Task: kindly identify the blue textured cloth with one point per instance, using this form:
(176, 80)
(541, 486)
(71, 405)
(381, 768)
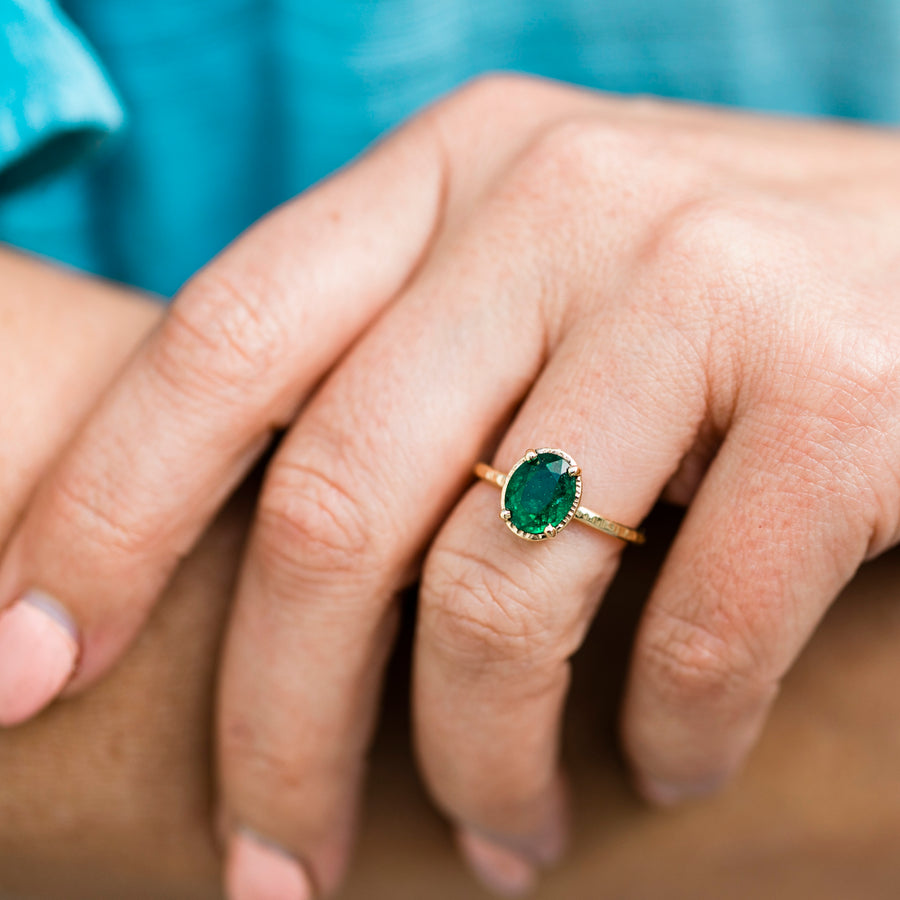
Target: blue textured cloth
(234, 105)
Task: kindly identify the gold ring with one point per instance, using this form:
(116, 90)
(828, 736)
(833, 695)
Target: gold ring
(541, 494)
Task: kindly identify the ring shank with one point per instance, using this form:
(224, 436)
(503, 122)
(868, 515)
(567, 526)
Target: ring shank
(582, 514)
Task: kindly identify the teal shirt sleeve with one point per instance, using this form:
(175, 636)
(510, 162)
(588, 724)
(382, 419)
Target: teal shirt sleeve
(56, 102)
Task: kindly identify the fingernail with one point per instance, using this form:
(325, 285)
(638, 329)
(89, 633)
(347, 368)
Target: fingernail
(500, 869)
(549, 844)
(670, 793)
(38, 653)
(259, 870)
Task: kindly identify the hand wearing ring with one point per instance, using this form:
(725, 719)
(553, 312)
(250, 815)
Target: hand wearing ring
(699, 305)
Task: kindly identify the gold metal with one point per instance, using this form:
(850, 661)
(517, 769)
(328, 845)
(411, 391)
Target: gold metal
(581, 513)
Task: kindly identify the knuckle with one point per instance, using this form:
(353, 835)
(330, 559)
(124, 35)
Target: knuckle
(741, 249)
(863, 365)
(476, 610)
(836, 441)
(223, 331)
(719, 268)
(702, 231)
(488, 91)
(550, 198)
(580, 172)
(310, 526)
(864, 414)
(578, 152)
(692, 664)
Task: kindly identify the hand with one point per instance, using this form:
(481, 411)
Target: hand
(690, 302)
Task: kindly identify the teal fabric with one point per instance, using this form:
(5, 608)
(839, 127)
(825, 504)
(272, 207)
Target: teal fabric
(55, 102)
(235, 105)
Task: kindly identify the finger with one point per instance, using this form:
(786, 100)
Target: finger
(774, 533)
(238, 351)
(500, 616)
(357, 488)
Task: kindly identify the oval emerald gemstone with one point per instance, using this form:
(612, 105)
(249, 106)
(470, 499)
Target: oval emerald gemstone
(540, 492)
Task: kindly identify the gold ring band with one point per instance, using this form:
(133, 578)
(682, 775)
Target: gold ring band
(576, 511)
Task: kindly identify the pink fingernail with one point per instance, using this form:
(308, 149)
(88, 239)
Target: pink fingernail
(500, 869)
(258, 870)
(668, 793)
(38, 653)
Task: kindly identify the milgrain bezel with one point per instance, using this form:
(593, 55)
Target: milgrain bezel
(550, 531)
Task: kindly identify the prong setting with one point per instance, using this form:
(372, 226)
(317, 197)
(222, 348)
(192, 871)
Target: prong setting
(553, 524)
(523, 517)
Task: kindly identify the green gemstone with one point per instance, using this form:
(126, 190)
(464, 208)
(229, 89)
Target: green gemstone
(540, 492)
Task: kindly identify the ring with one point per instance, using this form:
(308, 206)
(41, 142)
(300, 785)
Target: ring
(541, 495)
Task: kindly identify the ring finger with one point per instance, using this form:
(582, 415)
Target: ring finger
(500, 616)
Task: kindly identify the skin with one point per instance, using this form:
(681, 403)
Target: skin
(110, 794)
(691, 303)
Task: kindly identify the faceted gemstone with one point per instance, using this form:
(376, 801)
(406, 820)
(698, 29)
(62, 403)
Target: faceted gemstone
(540, 492)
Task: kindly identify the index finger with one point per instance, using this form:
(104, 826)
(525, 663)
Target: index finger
(239, 350)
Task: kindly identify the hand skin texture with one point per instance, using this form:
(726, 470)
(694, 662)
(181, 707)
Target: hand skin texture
(691, 302)
(110, 795)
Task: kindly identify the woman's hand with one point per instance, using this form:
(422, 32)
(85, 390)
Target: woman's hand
(688, 301)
